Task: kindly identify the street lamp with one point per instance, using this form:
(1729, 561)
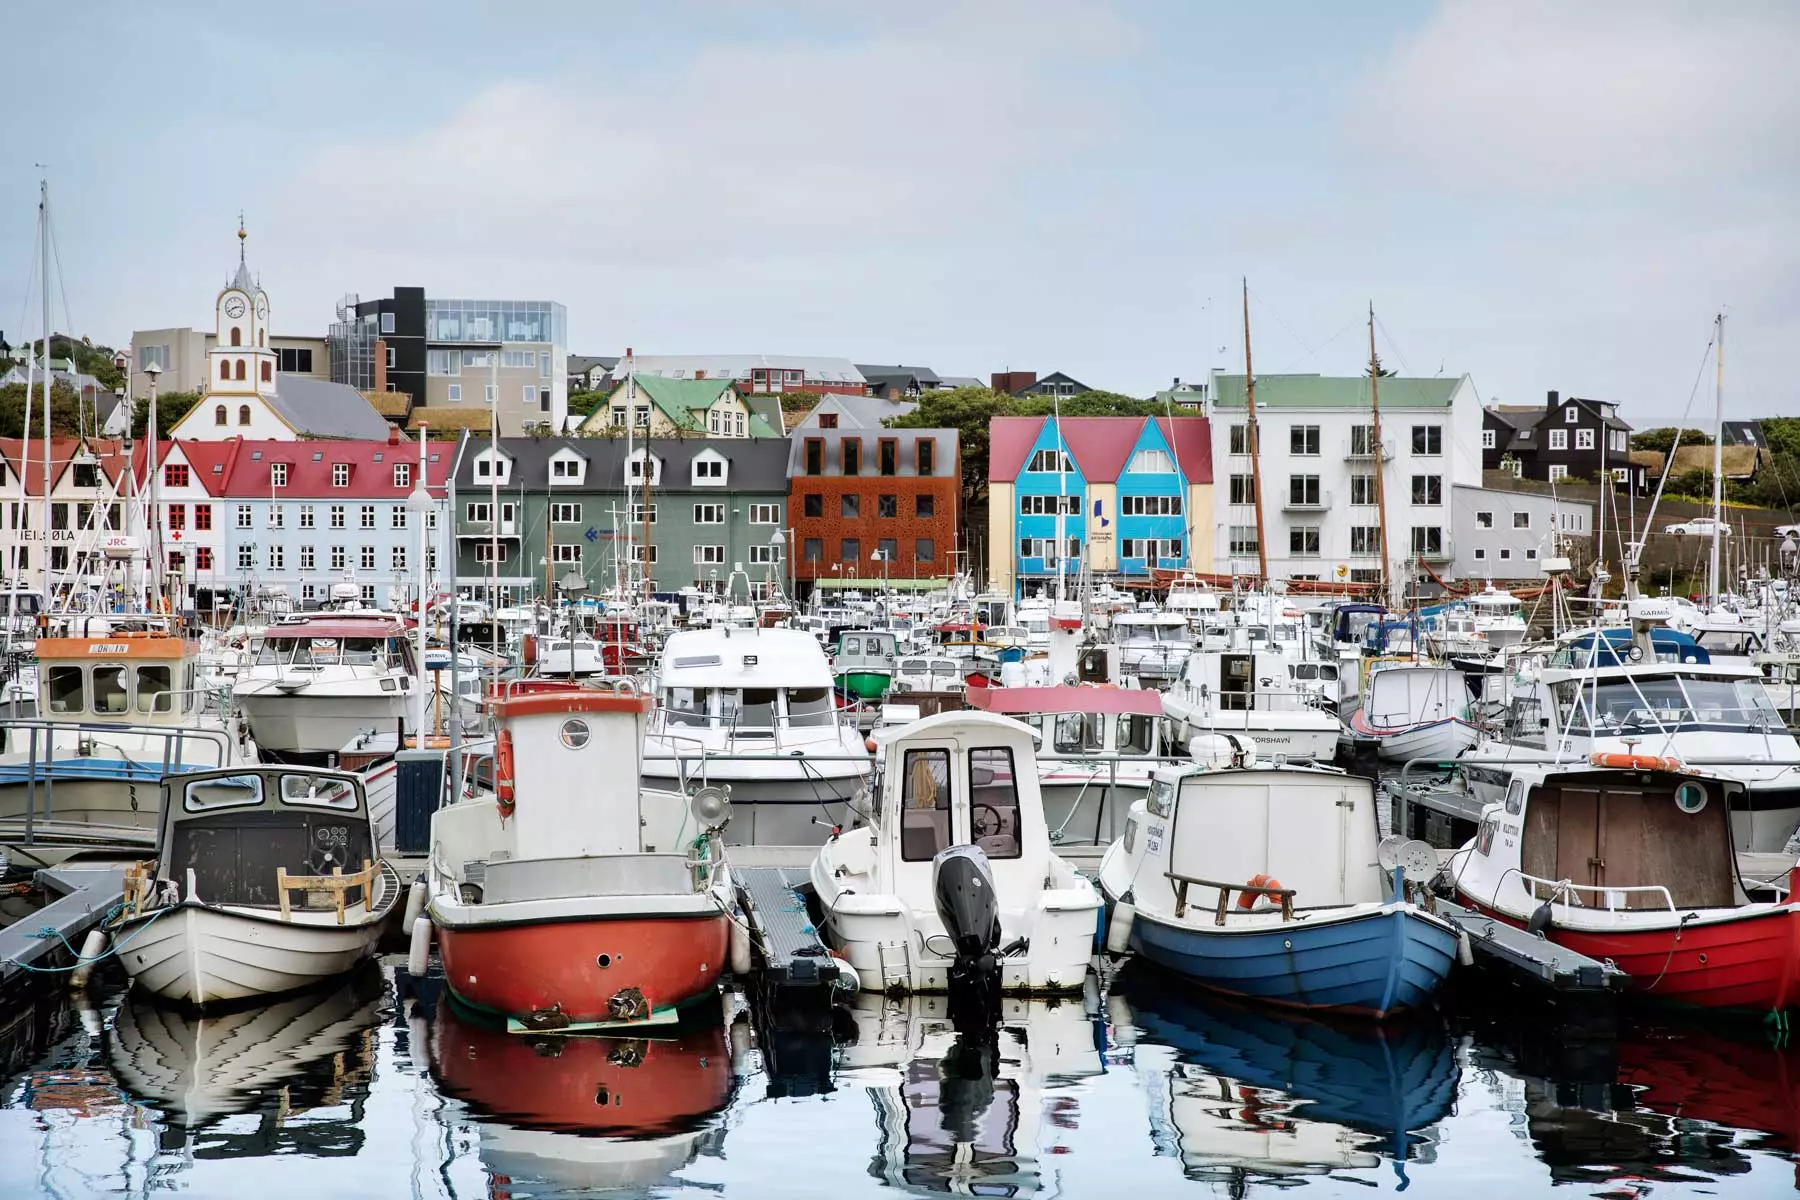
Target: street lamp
(887, 602)
(778, 539)
(573, 583)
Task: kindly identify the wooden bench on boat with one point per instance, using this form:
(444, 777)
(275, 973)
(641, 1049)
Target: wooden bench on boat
(337, 882)
(1284, 895)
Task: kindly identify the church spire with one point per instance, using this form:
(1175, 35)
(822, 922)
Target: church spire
(242, 279)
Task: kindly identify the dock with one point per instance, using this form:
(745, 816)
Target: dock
(793, 955)
(795, 981)
(1532, 957)
(84, 895)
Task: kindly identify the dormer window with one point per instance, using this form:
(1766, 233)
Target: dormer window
(634, 468)
(566, 469)
(278, 474)
(402, 475)
(709, 470)
(340, 475)
(488, 468)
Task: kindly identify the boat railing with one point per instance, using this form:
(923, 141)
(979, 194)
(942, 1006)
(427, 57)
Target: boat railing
(165, 752)
(1244, 890)
(1612, 898)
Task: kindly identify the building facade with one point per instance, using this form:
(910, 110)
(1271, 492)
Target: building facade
(87, 504)
(1506, 535)
(675, 407)
(873, 505)
(1564, 438)
(755, 374)
(1121, 497)
(715, 518)
(1320, 513)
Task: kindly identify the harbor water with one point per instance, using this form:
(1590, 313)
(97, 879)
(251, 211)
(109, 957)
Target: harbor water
(379, 1087)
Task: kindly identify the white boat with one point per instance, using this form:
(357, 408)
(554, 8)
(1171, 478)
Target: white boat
(927, 674)
(321, 680)
(1152, 646)
(955, 781)
(1248, 692)
(198, 1069)
(1499, 617)
(266, 881)
(560, 654)
(1412, 710)
(752, 710)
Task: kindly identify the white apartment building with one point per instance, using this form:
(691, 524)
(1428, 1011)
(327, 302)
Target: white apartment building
(1317, 464)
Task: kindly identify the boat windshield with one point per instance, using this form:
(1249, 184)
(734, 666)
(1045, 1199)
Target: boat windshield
(1665, 705)
(1157, 633)
(1136, 733)
(1078, 733)
(809, 706)
(322, 652)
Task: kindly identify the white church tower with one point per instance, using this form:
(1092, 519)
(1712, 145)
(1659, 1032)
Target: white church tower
(241, 367)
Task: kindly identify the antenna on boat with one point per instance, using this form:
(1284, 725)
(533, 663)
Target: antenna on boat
(1250, 433)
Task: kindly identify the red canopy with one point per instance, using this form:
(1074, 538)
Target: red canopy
(1078, 698)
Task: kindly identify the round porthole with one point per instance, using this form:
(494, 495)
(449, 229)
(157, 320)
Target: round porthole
(1690, 797)
(575, 733)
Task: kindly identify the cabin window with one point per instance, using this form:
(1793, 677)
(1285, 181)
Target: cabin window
(187, 689)
(1515, 797)
(153, 690)
(994, 802)
(66, 690)
(924, 804)
(318, 791)
(110, 693)
(748, 710)
(809, 706)
(1162, 798)
(852, 645)
(1075, 733)
(1136, 734)
(230, 791)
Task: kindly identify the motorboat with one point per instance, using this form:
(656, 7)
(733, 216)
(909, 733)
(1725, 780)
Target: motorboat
(752, 710)
(1412, 710)
(1642, 704)
(966, 1111)
(1152, 646)
(1191, 600)
(569, 897)
(116, 710)
(322, 679)
(1631, 859)
(1099, 746)
(924, 673)
(1328, 1095)
(197, 1070)
(958, 783)
(1499, 617)
(864, 664)
(1248, 693)
(1271, 883)
(583, 1115)
(266, 880)
(563, 654)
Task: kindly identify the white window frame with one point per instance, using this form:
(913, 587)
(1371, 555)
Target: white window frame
(709, 514)
(340, 475)
(1559, 439)
(1557, 472)
(765, 514)
(709, 556)
(1584, 439)
(1488, 439)
(278, 475)
(565, 512)
(402, 475)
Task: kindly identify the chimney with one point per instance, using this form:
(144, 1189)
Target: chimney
(380, 365)
(1554, 400)
(393, 435)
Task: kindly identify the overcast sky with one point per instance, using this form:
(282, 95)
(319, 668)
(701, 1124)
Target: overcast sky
(1543, 195)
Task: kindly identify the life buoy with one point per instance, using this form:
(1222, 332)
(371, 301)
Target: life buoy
(1635, 762)
(503, 773)
(1247, 900)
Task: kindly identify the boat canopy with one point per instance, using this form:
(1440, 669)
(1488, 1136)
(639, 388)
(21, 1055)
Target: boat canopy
(1011, 701)
(1614, 648)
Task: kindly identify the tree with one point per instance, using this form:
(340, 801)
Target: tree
(583, 404)
(89, 359)
(65, 408)
(1095, 404)
(1662, 439)
(170, 408)
(969, 411)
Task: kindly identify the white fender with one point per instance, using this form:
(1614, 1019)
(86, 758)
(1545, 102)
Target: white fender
(740, 948)
(1118, 927)
(1465, 950)
(848, 980)
(91, 950)
(418, 955)
(415, 903)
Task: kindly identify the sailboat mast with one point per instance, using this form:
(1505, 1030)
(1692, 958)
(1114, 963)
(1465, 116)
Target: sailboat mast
(44, 269)
(1375, 429)
(1062, 496)
(1256, 496)
(1718, 479)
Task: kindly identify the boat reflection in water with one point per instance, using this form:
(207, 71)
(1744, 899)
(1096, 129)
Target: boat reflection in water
(313, 1050)
(578, 1112)
(964, 1111)
(1242, 1094)
(1673, 1108)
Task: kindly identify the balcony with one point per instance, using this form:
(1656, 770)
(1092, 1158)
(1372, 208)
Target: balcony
(485, 529)
(1289, 504)
(1356, 450)
(1443, 552)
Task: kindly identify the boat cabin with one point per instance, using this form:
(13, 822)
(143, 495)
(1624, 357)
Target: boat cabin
(1240, 680)
(1084, 721)
(922, 674)
(128, 676)
(339, 640)
(238, 831)
(749, 682)
(865, 651)
(1408, 693)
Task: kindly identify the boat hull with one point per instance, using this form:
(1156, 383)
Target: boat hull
(865, 685)
(1373, 961)
(1433, 739)
(198, 955)
(1748, 960)
(577, 966)
(774, 802)
(304, 723)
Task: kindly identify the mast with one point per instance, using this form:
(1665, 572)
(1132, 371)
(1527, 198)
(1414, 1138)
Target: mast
(1380, 487)
(649, 467)
(494, 488)
(1062, 495)
(1718, 479)
(44, 268)
(1262, 543)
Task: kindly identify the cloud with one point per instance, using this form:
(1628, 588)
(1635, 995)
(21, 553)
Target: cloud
(1540, 95)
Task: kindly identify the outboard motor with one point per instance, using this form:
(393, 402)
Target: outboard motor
(962, 887)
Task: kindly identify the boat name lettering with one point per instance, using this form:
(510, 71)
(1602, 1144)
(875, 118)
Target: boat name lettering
(109, 648)
(1153, 837)
(698, 660)
(56, 535)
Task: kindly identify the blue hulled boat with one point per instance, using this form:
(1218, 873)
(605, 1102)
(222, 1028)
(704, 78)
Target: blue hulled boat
(1263, 882)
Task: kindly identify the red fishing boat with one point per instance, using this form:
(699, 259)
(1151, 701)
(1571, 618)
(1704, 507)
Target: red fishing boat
(1634, 863)
(569, 897)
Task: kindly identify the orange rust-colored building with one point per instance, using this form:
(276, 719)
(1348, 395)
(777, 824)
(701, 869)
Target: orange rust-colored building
(873, 504)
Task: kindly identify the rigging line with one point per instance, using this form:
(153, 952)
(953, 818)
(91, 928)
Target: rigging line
(1393, 345)
(1311, 352)
(1700, 374)
(1357, 324)
(62, 286)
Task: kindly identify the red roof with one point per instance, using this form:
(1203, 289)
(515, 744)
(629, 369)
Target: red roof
(1077, 698)
(1100, 446)
(106, 451)
(310, 463)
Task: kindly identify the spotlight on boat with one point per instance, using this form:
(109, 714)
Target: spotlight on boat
(711, 807)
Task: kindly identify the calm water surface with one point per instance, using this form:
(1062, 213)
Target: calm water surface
(376, 1090)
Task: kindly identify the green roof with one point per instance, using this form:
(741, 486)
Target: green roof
(1323, 391)
(683, 401)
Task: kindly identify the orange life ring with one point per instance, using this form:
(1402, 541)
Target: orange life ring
(503, 773)
(1247, 900)
(1635, 762)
